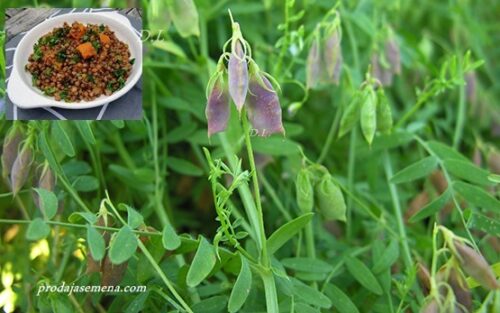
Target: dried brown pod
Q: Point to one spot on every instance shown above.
(393, 55)
(94, 266)
(457, 282)
(416, 204)
(494, 161)
(470, 87)
(439, 181)
(313, 65)
(430, 306)
(21, 169)
(46, 180)
(111, 275)
(10, 150)
(474, 264)
(424, 278)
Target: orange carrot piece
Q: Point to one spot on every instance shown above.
(104, 39)
(86, 50)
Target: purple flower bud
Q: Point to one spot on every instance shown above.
(476, 266)
(460, 289)
(21, 169)
(313, 65)
(264, 110)
(333, 55)
(46, 181)
(238, 76)
(383, 74)
(10, 150)
(217, 110)
(393, 55)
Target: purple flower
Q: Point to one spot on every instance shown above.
(313, 65)
(217, 110)
(238, 75)
(393, 55)
(333, 55)
(264, 110)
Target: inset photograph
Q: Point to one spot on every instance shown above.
(73, 64)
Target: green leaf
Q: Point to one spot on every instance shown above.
(350, 117)
(171, 47)
(275, 145)
(445, 152)
(96, 243)
(48, 202)
(183, 167)
(304, 191)
(363, 275)
(134, 218)
(203, 263)
(77, 216)
(37, 229)
(307, 265)
(305, 308)
(62, 139)
(432, 208)
(477, 196)
(241, 287)
(484, 223)
(86, 183)
(48, 153)
(387, 258)
(215, 304)
(170, 239)
(137, 305)
(287, 232)
(86, 131)
(310, 295)
(340, 300)
(123, 245)
(415, 171)
(467, 171)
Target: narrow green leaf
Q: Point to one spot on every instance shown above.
(340, 300)
(363, 275)
(183, 167)
(435, 206)
(307, 265)
(86, 131)
(484, 223)
(415, 171)
(467, 171)
(215, 304)
(62, 139)
(170, 239)
(350, 116)
(275, 145)
(75, 217)
(48, 202)
(444, 151)
(241, 287)
(387, 258)
(96, 243)
(286, 232)
(310, 295)
(135, 219)
(123, 245)
(37, 229)
(203, 263)
(477, 196)
(305, 308)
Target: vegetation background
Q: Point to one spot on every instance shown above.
(151, 177)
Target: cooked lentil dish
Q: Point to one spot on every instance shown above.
(79, 62)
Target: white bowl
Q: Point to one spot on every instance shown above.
(20, 89)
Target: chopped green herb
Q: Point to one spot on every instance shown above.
(97, 45)
(61, 55)
(101, 27)
(119, 72)
(132, 61)
(90, 78)
(49, 91)
(64, 95)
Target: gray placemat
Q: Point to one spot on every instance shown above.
(127, 107)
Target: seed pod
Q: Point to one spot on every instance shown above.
(21, 169)
(330, 200)
(264, 110)
(350, 116)
(185, 17)
(470, 87)
(424, 278)
(313, 65)
(368, 115)
(10, 150)
(475, 265)
(217, 109)
(393, 55)
(418, 203)
(304, 191)
(384, 114)
(333, 54)
(460, 289)
(238, 75)
(112, 274)
(94, 266)
(494, 161)
(439, 181)
(46, 181)
(430, 307)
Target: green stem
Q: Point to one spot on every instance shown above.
(330, 136)
(397, 211)
(351, 164)
(459, 127)
(255, 179)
